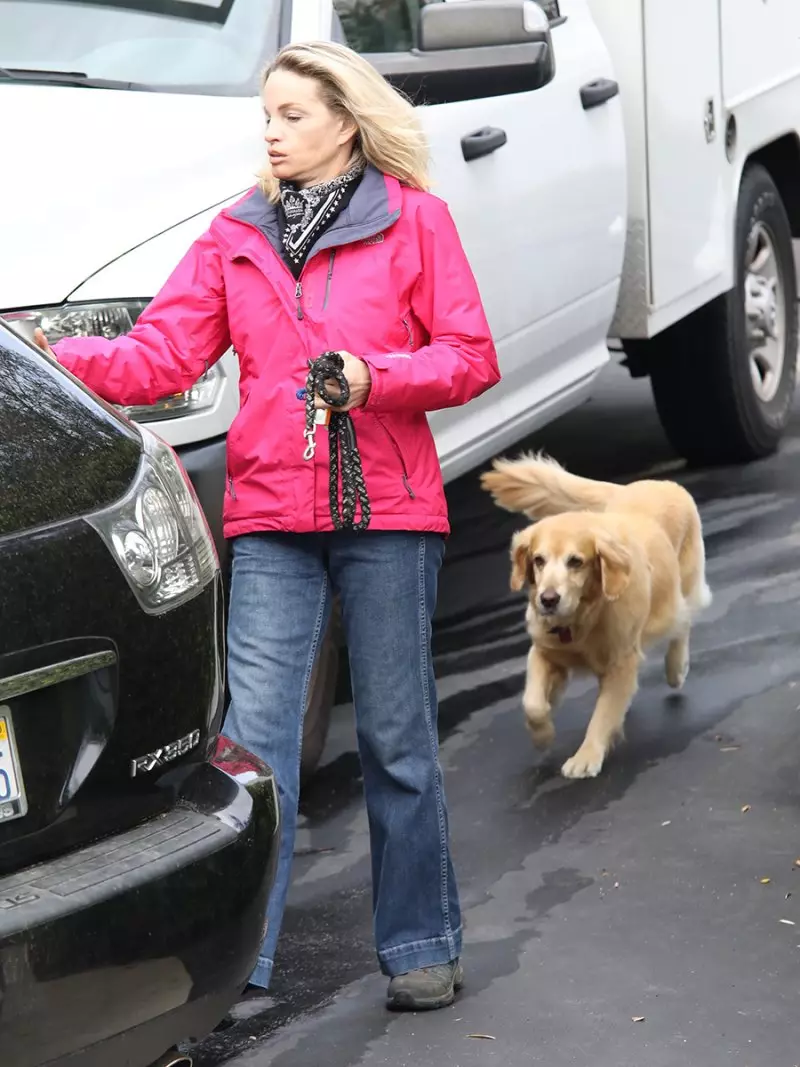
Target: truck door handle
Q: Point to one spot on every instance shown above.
(598, 92)
(482, 142)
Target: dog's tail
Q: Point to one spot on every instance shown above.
(539, 487)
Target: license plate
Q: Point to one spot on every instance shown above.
(12, 789)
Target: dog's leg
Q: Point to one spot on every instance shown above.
(544, 684)
(676, 661)
(617, 689)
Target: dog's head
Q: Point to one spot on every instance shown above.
(568, 561)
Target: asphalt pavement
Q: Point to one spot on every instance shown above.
(648, 917)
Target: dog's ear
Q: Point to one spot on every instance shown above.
(615, 566)
(521, 565)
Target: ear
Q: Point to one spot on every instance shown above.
(615, 567)
(521, 568)
(349, 130)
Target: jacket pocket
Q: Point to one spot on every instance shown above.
(235, 428)
(409, 329)
(399, 453)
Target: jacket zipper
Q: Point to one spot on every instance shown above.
(328, 279)
(231, 489)
(298, 292)
(399, 454)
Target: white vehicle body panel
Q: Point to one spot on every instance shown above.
(672, 61)
(542, 221)
(616, 221)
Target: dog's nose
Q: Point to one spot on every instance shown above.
(549, 599)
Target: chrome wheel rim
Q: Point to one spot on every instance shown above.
(765, 313)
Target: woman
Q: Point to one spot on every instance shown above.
(339, 248)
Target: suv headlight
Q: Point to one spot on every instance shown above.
(158, 533)
(109, 320)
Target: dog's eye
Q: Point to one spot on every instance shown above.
(538, 562)
(574, 563)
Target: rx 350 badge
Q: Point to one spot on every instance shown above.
(161, 756)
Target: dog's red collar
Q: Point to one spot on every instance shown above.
(563, 633)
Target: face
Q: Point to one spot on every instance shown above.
(567, 566)
(306, 141)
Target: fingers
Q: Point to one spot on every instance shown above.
(320, 405)
(333, 389)
(40, 340)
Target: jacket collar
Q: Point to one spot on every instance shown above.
(374, 207)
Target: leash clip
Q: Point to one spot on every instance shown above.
(310, 434)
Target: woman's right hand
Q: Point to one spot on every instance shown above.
(42, 342)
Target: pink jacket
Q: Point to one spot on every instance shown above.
(389, 282)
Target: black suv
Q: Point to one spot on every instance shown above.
(137, 846)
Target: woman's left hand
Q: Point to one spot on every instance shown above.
(359, 379)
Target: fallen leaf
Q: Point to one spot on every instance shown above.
(765, 881)
(666, 822)
(797, 863)
(616, 885)
(787, 896)
(730, 748)
(637, 1019)
(745, 808)
(482, 1037)
(788, 922)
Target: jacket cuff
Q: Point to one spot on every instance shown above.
(381, 367)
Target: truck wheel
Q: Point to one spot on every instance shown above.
(723, 379)
(321, 698)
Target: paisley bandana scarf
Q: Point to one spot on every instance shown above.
(307, 212)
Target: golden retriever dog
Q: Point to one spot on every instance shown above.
(612, 569)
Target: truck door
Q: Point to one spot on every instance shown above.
(542, 218)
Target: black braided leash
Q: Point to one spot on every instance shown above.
(344, 452)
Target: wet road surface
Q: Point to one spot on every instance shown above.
(588, 905)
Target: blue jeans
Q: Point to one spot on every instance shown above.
(281, 594)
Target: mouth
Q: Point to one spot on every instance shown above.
(276, 157)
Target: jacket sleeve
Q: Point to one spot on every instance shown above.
(460, 361)
(179, 335)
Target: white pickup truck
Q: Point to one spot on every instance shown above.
(625, 175)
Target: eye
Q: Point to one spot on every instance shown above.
(574, 563)
(538, 562)
(293, 118)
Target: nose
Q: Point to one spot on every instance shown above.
(549, 599)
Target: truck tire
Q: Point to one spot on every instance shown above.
(723, 379)
(321, 698)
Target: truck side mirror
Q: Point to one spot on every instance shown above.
(482, 24)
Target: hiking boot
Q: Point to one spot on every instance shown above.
(426, 988)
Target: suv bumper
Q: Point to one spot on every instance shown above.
(115, 953)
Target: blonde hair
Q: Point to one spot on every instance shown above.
(389, 136)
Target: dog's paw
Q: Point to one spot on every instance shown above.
(676, 667)
(586, 763)
(542, 731)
